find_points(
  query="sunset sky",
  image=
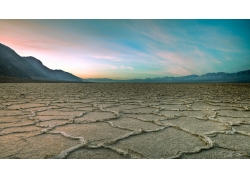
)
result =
(126, 49)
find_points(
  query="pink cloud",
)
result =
(172, 57)
(179, 71)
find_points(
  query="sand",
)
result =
(124, 120)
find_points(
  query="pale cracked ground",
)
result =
(124, 120)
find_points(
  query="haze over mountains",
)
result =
(13, 65)
(242, 76)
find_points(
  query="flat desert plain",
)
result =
(124, 120)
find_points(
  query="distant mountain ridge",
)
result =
(242, 76)
(13, 65)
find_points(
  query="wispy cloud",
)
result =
(110, 58)
(110, 66)
(119, 67)
(126, 67)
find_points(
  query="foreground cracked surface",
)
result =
(124, 120)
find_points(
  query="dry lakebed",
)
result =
(125, 120)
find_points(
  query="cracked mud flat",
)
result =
(117, 121)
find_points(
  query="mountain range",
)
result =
(242, 76)
(14, 68)
(13, 65)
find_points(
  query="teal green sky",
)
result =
(125, 49)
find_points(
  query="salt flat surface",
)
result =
(124, 120)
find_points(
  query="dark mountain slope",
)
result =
(51, 74)
(13, 65)
(8, 69)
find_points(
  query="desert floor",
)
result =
(124, 120)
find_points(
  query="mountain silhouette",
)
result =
(13, 65)
(49, 73)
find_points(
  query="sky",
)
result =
(128, 49)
